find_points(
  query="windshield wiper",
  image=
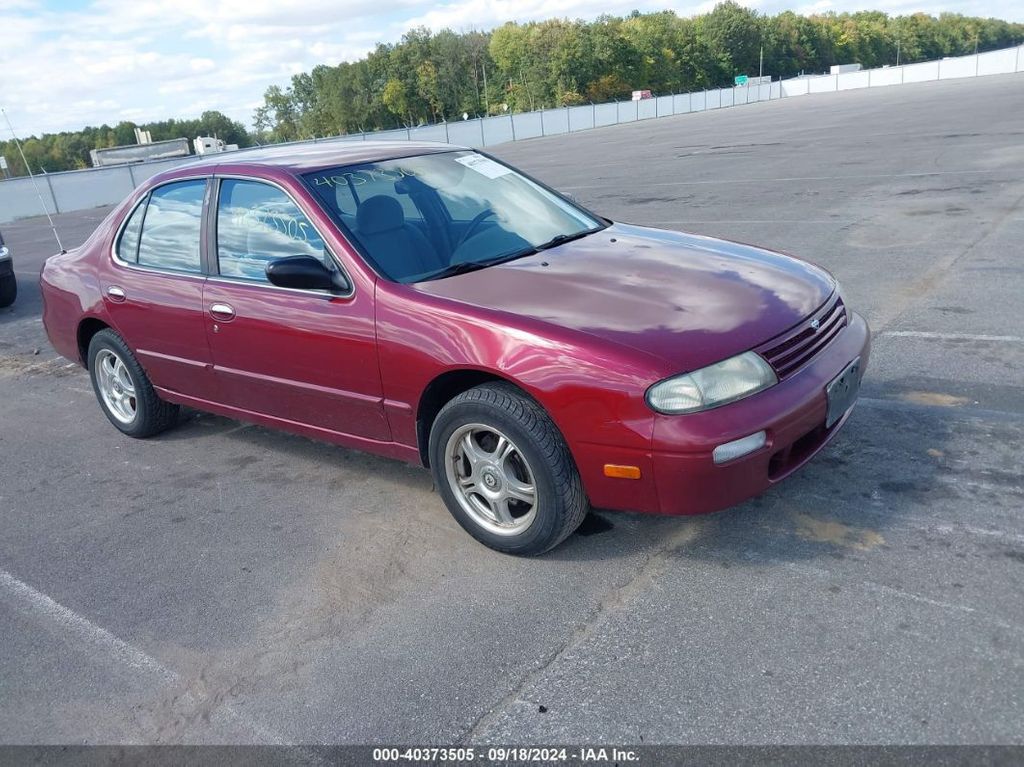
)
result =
(463, 267)
(560, 239)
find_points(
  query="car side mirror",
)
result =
(304, 273)
(570, 197)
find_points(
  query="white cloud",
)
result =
(153, 59)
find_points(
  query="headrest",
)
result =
(379, 214)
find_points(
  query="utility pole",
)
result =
(487, 103)
(760, 66)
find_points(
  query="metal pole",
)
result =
(28, 169)
(56, 207)
(760, 67)
(487, 102)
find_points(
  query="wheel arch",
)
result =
(444, 388)
(87, 328)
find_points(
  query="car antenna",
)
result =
(31, 176)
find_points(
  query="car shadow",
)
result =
(840, 504)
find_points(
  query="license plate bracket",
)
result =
(842, 392)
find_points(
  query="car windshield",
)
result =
(436, 215)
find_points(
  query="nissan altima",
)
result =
(432, 304)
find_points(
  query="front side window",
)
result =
(171, 227)
(431, 216)
(257, 223)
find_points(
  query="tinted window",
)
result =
(171, 229)
(257, 223)
(128, 246)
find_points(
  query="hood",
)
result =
(687, 299)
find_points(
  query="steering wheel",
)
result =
(473, 226)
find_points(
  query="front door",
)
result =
(302, 356)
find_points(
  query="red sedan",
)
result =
(432, 304)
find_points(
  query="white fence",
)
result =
(83, 189)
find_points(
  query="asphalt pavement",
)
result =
(226, 583)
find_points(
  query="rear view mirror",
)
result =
(304, 273)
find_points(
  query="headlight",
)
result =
(842, 297)
(3, 252)
(715, 385)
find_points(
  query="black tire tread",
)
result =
(547, 439)
(159, 414)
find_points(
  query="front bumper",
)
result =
(792, 413)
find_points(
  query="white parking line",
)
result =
(752, 180)
(950, 336)
(83, 629)
(99, 638)
(787, 221)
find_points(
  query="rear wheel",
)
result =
(8, 290)
(124, 390)
(505, 472)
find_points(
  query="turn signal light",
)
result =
(621, 472)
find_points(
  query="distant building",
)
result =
(122, 155)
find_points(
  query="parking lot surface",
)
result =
(226, 583)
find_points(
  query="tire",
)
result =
(8, 290)
(485, 482)
(123, 389)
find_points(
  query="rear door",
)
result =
(153, 289)
(303, 356)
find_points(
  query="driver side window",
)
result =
(258, 223)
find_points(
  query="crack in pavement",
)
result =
(611, 603)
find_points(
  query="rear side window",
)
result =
(257, 223)
(171, 228)
(128, 245)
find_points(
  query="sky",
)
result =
(65, 64)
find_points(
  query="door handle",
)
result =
(223, 312)
(116, 293)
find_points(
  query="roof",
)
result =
(302, 158)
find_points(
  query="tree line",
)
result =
(430, 77)
(69, 150)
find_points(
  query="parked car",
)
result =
(432, 304)
(8, 281)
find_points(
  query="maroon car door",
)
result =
(153, 288)
(301, 356)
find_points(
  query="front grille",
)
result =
(790, 351)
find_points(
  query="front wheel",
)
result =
(505, 472)
(124, 390)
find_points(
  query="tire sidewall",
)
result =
(108, 340)
(547, 524)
